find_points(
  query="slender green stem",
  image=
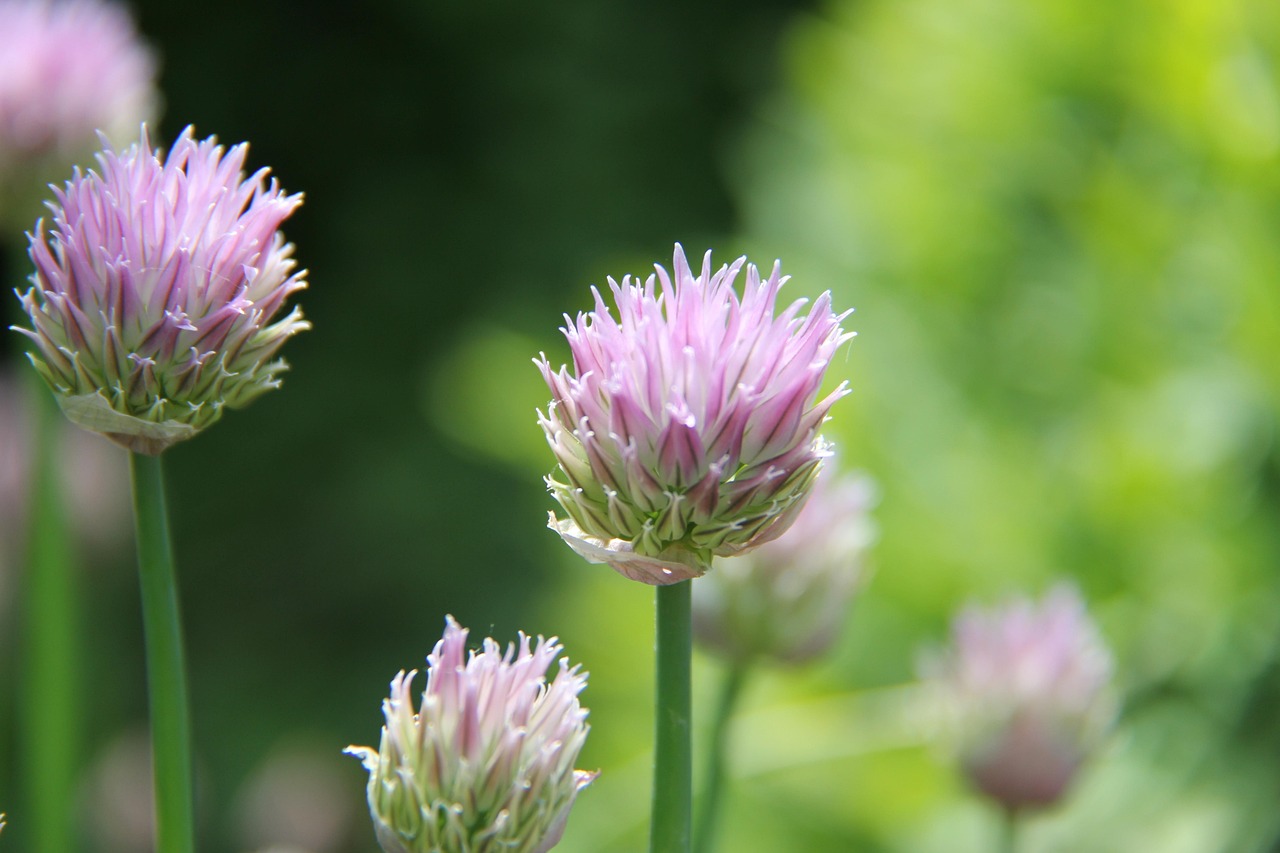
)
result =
(704, 838)
(166, 674)
(1009, 831)
(672, 819)
(51, 708)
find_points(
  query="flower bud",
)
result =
(688, 427)
(787, 599)
(154, 294)
(485, 762)
(1028, 687)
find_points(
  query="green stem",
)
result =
(51, 708)
(1009, 831)
(166, 675)
(672, 818)
(711, 794)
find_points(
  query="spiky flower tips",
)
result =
(485, 762)
(688, 426)
(156, 288)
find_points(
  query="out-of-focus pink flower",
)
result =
(296, 800)
(485, 762)
(154, 298)
(787, 599)
(1029, 685)
(688, 426)
(68, 69)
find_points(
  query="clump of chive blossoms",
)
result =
(485, 763)
(688, 427)
(787, 600)
(1028, 688)
(68, 68)
(154, 299)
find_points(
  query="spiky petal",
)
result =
(154, 299)
(787, 600)
(688, 426)
(485, 762)
(1028, 686)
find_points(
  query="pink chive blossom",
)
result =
(688, 426)
(68, 68)
(485, 762)
(154, 300)
(788, 599)
(1028, 685)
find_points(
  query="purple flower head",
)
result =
(68, 68)
(154, 300)
(485, 762)
(1029, 686)
(787, 599)
(688, 426)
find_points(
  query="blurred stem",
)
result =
(51, 710)
(166, 675)
(671, 822)
(711, 794)
(1009, 831)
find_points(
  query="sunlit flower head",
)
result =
(68, 69)
(787, 599)
(156, 288)
(485, 762)
(687, 427)
(1029, 686)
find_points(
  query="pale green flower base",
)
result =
(94, 413)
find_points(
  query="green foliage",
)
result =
(1056, 221)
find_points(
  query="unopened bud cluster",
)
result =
(485, 762)
(156, 288)
(688, 427)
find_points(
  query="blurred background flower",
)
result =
(787, 600)
(1026, 687)
(68, 70)
(1057, 223)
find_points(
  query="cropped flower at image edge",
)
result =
(688, 426)
(155, 288)
(486, 760)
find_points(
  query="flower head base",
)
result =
(1029, 687)
(154, 293)
(787, 599)
(689, 426)
(68, 68)
(486, 761)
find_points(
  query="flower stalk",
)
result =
(50, 710)
(712, 797)
(166, 671)
(671, 822)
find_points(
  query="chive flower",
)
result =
(485, 762)
(68, 68)
(787, 600)
(156, 290)
(1027, 685)
(688, 427)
